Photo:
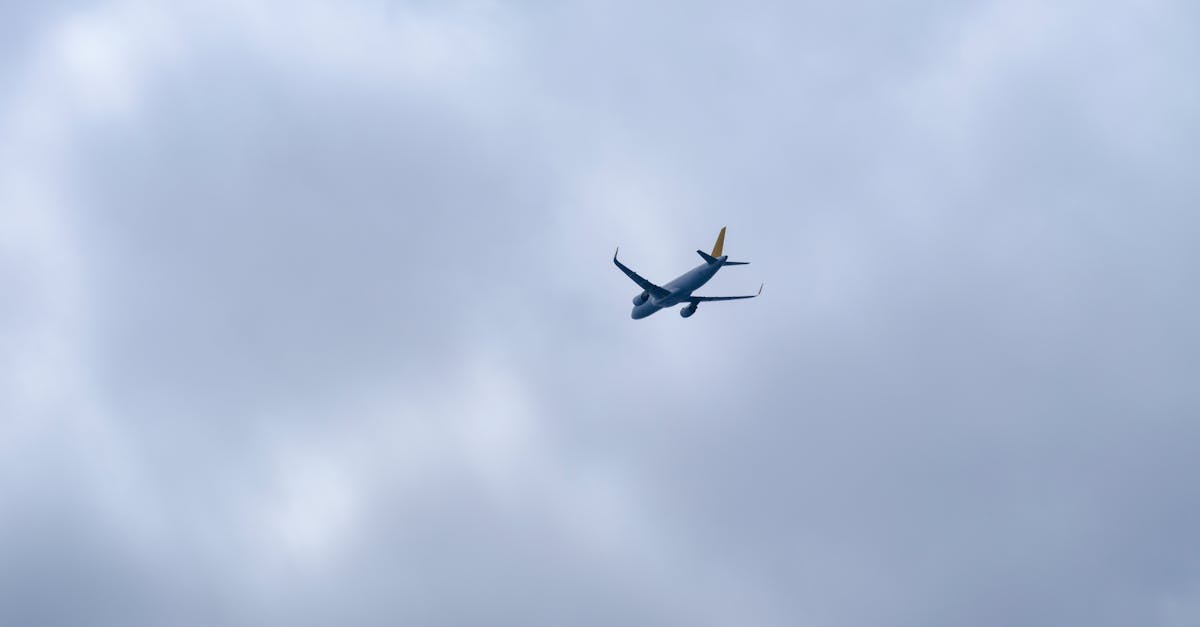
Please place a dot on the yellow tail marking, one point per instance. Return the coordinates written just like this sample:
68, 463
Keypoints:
720, 243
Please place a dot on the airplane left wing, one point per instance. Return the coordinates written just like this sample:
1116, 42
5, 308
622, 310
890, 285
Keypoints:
705, 299
654, 290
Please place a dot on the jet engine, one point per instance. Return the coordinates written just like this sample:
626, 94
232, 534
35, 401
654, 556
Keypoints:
687, 312
640, 298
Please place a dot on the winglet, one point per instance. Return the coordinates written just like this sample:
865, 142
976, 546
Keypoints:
720, 243
615, 253
760, 286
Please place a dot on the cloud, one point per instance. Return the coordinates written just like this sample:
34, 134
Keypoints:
311, 320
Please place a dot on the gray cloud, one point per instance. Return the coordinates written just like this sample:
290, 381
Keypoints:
311, 317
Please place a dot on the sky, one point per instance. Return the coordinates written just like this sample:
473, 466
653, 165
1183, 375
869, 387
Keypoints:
308, 316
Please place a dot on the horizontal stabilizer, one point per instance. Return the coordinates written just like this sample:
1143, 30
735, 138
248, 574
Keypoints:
710, 259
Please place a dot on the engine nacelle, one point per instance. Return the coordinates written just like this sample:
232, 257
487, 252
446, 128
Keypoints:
687, 312
640, 298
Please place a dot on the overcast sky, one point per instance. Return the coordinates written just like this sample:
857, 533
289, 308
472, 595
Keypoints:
307, 315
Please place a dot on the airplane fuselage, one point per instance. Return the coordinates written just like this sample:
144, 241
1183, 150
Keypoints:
681, 289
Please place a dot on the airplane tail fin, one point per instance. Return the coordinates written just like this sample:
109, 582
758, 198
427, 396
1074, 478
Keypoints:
720, 244
717, 251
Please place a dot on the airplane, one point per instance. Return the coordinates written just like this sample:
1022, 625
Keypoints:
680, 289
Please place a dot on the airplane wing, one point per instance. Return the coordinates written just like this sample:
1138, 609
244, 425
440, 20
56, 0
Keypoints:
654, 290
705, 299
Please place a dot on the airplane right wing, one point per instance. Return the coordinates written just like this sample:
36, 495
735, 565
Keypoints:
654, 290
707, 299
